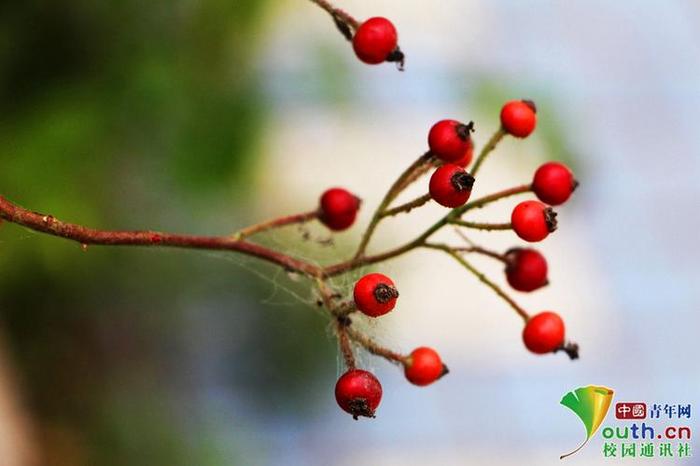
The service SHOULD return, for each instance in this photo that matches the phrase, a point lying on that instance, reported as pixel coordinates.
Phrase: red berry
(553, 183)
(358, 392)
(375, 40)
(450, 185)
(338, 208)
(526, 269)
(467, 157)
(519, 118)
(449, 140)
(375, 294)
(424, 366)
(533, 221)
(544, 333)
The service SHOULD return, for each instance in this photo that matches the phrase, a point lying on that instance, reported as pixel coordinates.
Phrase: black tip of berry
(571, 349)
(574, 185)
(398, 57)
(530, 104)
(462, 181)
(550, 216)
(445, 371)
(464, 131)
(359, 407)
(384, 293)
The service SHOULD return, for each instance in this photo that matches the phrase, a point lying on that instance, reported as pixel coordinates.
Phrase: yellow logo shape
(591, 405)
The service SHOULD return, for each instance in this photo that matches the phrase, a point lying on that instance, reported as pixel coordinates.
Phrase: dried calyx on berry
(375, 294)
(464, 131)
(384, 293)
(571, 350)
(398, 57)
(450, 185)
(462, 181)
(550, 217)
(359, 393)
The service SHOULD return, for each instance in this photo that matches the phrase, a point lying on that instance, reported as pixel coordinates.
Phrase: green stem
(488, 148)
(399, 185)
(360, 261)
(482, 226)
(407, 207)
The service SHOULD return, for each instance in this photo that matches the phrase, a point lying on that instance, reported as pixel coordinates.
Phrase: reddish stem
(374, 347)
(338, 13)
(83, 235)
(276, 223)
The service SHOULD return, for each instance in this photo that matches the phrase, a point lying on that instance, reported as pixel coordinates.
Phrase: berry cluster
(451, 151)
(450, 158)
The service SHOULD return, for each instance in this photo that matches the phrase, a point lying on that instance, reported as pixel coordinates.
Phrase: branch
(497, 289)
(407, 177)
(86, 236)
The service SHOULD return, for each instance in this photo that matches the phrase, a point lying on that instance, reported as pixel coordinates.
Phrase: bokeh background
(204, 116)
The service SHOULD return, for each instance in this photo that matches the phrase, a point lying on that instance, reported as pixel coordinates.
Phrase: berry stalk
(399, 185)
(482, 278)
(487, 149)
(375, 348)
(275, 223)
(482, 226)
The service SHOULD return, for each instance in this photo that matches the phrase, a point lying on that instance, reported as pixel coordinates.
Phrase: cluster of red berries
(450, 186)
(359, 392)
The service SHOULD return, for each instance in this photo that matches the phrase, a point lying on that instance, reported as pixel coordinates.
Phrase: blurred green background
(132, 115)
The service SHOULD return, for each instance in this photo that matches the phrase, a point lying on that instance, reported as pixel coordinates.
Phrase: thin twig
(482, 201)
(399, 185)
(497, 289)
(342, 331)
(275, 223)
(488, 148)
(338, 13)
(482, 226)
(482, 251)
(407, 207)
(375, 348)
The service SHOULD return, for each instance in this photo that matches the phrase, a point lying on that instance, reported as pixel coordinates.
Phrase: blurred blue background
(206, 116)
